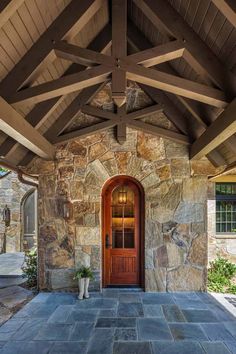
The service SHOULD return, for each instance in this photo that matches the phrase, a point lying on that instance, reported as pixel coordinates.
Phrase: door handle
(108, 241)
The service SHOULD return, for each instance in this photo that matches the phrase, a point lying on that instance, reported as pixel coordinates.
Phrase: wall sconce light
(67, 210)
(6, 216)
(122, 197)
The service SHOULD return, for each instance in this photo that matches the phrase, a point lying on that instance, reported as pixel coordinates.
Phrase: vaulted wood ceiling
(57, 56)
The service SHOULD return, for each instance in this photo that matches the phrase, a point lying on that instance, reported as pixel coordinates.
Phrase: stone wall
(175, 208)
(11, 193)
(219, 245)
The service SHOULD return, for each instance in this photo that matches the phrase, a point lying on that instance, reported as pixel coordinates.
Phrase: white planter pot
(86, 287)
(81, 283)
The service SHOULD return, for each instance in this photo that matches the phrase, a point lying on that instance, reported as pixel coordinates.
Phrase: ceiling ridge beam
(163, 15)
(13, 124)
(119, 49)
(65, 26)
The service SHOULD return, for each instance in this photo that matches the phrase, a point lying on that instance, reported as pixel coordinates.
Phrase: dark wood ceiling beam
(62, 86)
(82, 133)
(163, 15)
(161, 132)
(7, 9)
(83, 56)
(121, 128)
(220, 130)
(73, 18)
(68, 115)
(97, 112)
(101, 43)
(176, 85)
(159, 54)
(119, 49)
(228, 9)
(144, 112)
(137, 41)
(13, 124)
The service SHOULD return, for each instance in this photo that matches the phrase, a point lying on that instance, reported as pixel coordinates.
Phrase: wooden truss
(92, 68)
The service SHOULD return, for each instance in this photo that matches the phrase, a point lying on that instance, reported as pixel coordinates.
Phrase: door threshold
(124, 287)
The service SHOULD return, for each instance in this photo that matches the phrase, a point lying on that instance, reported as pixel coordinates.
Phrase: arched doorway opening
(29, 221)
(123, 232)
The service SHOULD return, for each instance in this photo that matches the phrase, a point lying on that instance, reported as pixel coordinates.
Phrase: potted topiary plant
(83, 274)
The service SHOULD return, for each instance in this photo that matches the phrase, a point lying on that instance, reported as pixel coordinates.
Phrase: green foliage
(84, 272)
(30, 268)
(220, 274)
(3, 169)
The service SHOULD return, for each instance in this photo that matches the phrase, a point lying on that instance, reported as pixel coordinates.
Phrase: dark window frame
(225, 193)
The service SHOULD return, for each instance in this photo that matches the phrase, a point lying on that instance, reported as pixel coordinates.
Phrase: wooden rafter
(62, 86)
(176, 85)
(119, 49)
(137, 41)
(163, 16)
(67, 24)
(83, 56)
(220, 130)
(42, 110)
(67, 116)
(159, 54)
(13, 124)
(130, 119)
(228, 9)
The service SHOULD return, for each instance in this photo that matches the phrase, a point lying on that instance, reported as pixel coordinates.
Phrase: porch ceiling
(69, 69)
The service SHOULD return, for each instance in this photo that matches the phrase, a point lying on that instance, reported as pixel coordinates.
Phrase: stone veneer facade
(175, 209)
(11, 193)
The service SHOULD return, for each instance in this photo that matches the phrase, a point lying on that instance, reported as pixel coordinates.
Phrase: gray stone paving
(120, 322)
(11, 263)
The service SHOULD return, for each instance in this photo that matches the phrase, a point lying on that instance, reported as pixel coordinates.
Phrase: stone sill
(226, 236)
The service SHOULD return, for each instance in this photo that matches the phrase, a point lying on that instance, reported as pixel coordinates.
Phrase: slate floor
(120, 322)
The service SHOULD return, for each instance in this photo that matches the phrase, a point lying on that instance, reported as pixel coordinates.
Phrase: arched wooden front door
(122, 232)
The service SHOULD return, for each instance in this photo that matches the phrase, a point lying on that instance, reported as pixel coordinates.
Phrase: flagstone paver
(120, 321)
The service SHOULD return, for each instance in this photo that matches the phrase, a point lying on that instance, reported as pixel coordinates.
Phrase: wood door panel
(121, 265)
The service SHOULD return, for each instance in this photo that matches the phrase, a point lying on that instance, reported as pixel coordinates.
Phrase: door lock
(108, 241)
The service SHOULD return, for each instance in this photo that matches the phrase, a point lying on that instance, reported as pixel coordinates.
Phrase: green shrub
(220, 274)
(84, 272)
(30, 268)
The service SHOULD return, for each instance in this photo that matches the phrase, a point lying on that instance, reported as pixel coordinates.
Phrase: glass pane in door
(123, 226)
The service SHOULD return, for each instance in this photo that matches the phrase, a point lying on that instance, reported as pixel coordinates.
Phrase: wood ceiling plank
(62, 86)
(119, 49)
(159, 54)
(162, 14)
(7, 9)
(13, 124)
(65, 26)
(176, 85)
(219, 131)
(228, 9)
